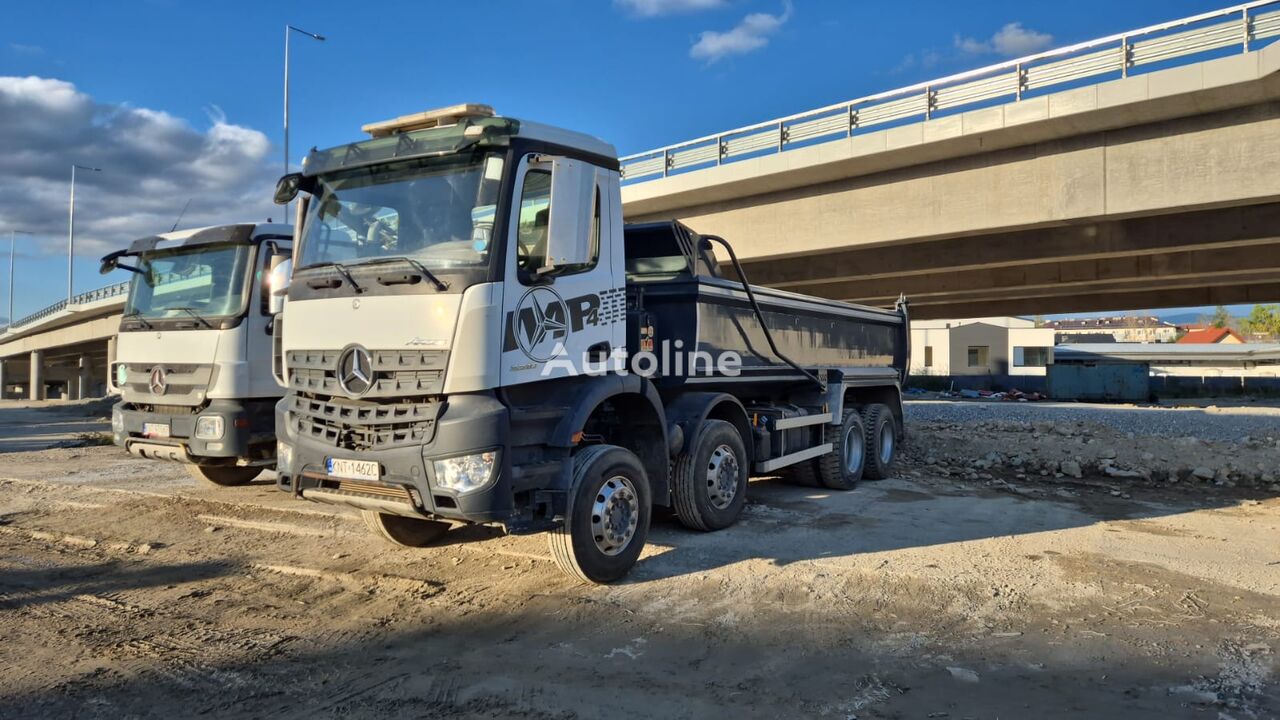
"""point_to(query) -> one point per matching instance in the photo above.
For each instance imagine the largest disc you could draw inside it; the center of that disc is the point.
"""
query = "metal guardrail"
(1115, 55)
(101, 293)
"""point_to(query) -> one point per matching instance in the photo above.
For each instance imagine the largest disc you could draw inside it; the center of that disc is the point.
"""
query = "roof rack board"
(431, 118)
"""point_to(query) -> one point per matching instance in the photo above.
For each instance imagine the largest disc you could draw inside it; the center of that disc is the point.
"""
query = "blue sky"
(639, 73)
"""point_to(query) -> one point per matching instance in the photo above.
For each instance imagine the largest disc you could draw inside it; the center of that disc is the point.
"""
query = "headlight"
(210, 427)
(467, 473)
(122, 374)
(284, 456)
(117, 421)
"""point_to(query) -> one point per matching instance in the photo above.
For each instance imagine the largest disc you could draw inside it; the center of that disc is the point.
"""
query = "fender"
(587, 397)
(687, 413)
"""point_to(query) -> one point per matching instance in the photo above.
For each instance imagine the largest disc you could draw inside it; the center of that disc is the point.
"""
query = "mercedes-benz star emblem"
(355, 371)
(158, 382)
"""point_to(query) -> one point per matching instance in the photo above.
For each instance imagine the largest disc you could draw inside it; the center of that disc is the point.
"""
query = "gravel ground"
(1207, 423)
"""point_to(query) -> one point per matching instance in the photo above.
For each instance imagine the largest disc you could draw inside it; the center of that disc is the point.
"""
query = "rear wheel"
(709, 483)
(842, 468)
(606, 521)
(223, 475)
(881, 441)
(404, 531)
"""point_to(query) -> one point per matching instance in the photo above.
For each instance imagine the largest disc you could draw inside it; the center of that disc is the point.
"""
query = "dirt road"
(128, 589)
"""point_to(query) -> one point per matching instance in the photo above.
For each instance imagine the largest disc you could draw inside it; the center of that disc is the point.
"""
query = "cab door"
(566, 321)
(258, 337)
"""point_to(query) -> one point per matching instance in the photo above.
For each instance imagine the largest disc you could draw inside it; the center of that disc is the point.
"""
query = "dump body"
(674, 287)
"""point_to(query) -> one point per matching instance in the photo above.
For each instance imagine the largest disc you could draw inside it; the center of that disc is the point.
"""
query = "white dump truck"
(193, 358)
(471, 335)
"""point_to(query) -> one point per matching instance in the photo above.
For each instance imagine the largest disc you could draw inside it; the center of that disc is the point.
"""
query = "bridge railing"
(1115, 56)
(101, 293)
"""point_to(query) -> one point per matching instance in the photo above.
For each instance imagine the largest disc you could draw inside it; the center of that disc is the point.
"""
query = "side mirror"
(278, 283)
(287, 188)
(109, 263)
(573, 185)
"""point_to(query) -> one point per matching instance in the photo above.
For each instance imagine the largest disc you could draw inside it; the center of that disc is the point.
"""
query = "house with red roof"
(1211, 336)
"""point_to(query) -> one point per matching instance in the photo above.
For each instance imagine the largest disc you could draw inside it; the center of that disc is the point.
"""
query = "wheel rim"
(852, 450)
(722, 477)
(615, 515)
(886, 443)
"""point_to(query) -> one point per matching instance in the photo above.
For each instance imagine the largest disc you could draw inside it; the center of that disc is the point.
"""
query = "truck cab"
(193, 360)
(460, 314)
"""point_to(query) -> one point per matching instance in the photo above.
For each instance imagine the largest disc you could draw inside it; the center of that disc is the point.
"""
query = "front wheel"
(709, 482)
(404, 531)
(607, 518)
(223, 475)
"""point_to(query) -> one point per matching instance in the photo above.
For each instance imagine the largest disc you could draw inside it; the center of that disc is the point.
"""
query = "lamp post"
(71, 229)
(288, 29)
(13, 241)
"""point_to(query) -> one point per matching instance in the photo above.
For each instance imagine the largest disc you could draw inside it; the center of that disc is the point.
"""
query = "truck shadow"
(95, 583)
(787, 524)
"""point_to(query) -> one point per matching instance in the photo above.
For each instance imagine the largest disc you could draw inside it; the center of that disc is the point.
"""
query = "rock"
(1071, 468)
(1202, 473)
(145, 549)
(963, 674)
(1107, 454)
(1147, 457)
(1115, 472)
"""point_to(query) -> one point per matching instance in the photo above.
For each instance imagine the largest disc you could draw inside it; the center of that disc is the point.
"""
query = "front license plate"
(353, 469)
(155, 430)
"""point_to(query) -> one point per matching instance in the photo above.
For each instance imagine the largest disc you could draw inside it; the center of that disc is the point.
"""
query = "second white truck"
(193, 359)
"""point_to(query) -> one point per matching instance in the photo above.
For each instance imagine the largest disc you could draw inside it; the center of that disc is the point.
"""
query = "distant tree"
(1221, 318)
(1039, 320)
(1263, 320)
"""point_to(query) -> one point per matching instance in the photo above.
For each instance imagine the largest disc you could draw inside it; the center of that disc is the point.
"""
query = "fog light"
(466, 473)
(210, 427)
(284, 456)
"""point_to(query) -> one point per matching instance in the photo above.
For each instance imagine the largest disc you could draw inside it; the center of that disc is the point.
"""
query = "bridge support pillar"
(2, 379)
(35, 389)
(82, 378)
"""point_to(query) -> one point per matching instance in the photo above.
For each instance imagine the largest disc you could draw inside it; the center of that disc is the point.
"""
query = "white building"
(980, 346)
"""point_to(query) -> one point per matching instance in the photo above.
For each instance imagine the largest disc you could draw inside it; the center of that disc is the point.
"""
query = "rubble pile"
(1004, 449)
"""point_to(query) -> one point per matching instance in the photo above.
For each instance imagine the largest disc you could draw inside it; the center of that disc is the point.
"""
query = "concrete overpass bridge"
(64, 350)
(1140, 170)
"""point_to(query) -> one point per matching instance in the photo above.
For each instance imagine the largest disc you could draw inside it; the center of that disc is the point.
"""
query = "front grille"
(363, 425)
(396, 373)
(399, 409)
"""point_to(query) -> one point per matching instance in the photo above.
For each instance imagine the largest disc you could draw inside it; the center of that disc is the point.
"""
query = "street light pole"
(13, 241)
(287, 30)
(71, 229)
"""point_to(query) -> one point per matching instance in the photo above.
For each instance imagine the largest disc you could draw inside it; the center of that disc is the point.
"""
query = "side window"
(531, 227)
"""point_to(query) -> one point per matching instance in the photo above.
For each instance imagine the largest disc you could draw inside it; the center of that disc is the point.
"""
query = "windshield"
(208, 281)
(438, 212)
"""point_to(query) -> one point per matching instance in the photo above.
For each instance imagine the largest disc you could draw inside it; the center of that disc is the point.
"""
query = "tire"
(842, 468)
(882, 441)
(709, 482)
(592, 545)
(802, 474)
(223, 475)
(404, 531)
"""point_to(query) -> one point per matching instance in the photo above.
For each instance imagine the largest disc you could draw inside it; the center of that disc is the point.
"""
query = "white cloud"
(655, 8)
(151, 161)
(1012, 40)
(20, 49)
(750, 34)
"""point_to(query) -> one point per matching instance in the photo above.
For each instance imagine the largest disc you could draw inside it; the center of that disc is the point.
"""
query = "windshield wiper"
(136, 315)
(440, 284)
(192, 312)
(342, 270)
